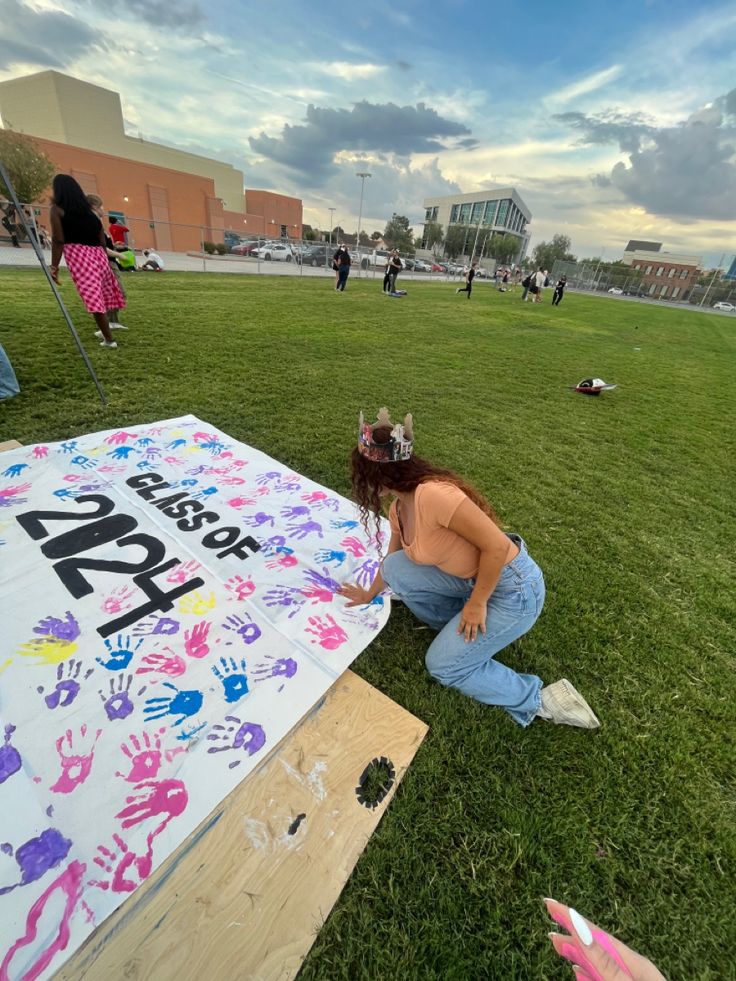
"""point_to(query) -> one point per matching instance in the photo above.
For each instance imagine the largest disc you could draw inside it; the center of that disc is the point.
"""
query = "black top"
(342, 257)
(471, 274)
(81, 228)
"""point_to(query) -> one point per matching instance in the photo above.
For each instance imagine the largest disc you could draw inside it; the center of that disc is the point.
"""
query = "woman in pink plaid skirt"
(77, 232)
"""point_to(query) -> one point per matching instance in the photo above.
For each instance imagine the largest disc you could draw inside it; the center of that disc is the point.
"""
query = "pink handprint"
(354, 546)
(75, 767)
(146, 756)
(154, 797)
(262, 491)
(119, 866)
(110, 468)
(118, 600)
(174, 461)
(233, 481)
(241, 587)
(75, 478)
(205, 438)
(329, 635)
(169, 664)
(40, 452)
(240, 502)
(183, 571)
(195, 640)
(120, 437)
(285, 559)
(314, 497)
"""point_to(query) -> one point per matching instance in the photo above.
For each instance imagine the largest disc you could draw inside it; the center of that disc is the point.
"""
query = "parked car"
(276, 251)
(315, 255)
(722, 305)
(421, 266)
(616, 290)
(245, 248)
(439, 267)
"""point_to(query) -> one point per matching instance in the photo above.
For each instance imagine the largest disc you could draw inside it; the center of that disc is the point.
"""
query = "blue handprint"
(189, 482)
(15, 470)
(145, 464)
(175, 444)
(327, 555)
(64, 493)
(233, 678)
(144, 441)
(70, 446)
(296, 512)
(183, 703)
(307, 528)
(84, 462)
(122, 452)
(344, 524)
(205, 492)
(119, 656)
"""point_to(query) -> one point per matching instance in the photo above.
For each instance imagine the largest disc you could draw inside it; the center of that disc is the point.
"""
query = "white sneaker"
(108, 344)
(98, 333)
(564, 705)
(117, 326)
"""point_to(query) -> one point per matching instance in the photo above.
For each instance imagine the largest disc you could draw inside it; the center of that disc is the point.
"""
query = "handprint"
(232, 481)
(240, 502)
(154, 797)
(48, 650)
(195, 640)
(273, 544)
(246, 629)
(320, 588)
(115, 439)
(266, 478)
(354, 546)
(156, 430)
(287, 486)
(145, 755)
(366, 572)
(75, 766)
(40, 452)
(66, 688)
(294, 512)
(285, 596)
(10, 761)
(144, 441)
(314, 497)
(328, 504)
(109, 468)
(233, 678)
(213, 445)
(151, 452)
(362, 616)
(262, 492)
(326, 555)
(204, 437)
(281, 667)
(249, 737)
(173, 461)
(347, 525)
(170, 664)
(122, 452)
(70, 446)
(9, 495)
(285, 559)
(175, 444)
(64, 493)
(306, 528)
(118, 704)
(36, 856)
(154, 625)
(241, 587)
(329, 635)
(183, 571)
(118, 600)
(120, 654)
(258, 519)
(205, 492)
(15, 470)
(126, 869)
(66, 630)
(197, 603)
(185, 704)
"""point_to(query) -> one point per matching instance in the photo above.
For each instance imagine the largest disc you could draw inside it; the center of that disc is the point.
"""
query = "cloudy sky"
(613, 121)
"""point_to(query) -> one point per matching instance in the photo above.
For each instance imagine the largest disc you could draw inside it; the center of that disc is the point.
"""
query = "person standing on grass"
(118, 231)
(394, 268)
(457, 571)
(342, 261)
(77, 234)
(537, 282)
(559, 290)
(95, 203)
(469, 277)
(526, 285)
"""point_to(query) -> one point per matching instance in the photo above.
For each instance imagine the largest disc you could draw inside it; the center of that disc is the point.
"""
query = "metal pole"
(54, 289)
(362, 175)
(332, 223)
(204, 254)
(715, 273)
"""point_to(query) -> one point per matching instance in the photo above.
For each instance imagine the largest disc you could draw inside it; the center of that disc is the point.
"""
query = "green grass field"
(625, 503)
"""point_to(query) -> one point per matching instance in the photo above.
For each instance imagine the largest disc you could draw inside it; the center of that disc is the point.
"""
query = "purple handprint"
(10, 761)
(36, 856)
(154, 625)
(294, 512)
(366, 572)
(287, 486)
(246, 629)
(184, 704)
(265, 478)
(66, 630)
(327, 555)
(118, 704)
(286, 596)
(272, 545)
(66, 688)
(320, 586)
(232, 677)
(152, 451)
(328, 504)
(258, 519)
(307, 528)
(249, 736)
(281, 667)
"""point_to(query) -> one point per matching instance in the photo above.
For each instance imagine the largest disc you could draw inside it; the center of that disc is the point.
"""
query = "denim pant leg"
(432, 595)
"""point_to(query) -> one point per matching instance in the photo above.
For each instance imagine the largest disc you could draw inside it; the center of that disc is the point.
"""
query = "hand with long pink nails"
(594, 954)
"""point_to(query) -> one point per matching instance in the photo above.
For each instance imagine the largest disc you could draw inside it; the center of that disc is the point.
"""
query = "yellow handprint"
(48, 650)
(197, 603)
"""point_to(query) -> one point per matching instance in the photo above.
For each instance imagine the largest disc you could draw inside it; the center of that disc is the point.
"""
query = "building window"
(453, 212)
(675, 291)
(652, 288)
(428, 214)
(648, 271)
(478, 209)
(464, 214)
(660, 270)
(683, 274)
(638, 268)
(671, 273)
(488, 218)
(663, 292)
(503, 210)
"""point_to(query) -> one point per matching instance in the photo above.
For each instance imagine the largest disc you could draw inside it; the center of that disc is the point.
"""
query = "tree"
(397, 234)
(503, 248)
(547, 253)
(29, 169)
(455, 241)
(375, 236)
(433, 235)
(365, 238)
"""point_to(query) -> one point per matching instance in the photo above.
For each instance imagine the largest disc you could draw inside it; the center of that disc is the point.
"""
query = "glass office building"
(500, 210)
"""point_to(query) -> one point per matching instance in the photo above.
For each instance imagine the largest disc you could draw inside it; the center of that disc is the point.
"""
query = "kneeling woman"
(451, 564)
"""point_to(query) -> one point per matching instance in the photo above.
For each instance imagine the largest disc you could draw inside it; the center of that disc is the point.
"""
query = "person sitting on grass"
(153, 261)
(77, 234)
(457, 571)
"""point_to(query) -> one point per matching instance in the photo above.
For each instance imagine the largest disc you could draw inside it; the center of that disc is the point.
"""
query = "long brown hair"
(368, 477)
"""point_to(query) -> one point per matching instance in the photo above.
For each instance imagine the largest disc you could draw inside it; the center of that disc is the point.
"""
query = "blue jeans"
(342, 276)
(437, 598)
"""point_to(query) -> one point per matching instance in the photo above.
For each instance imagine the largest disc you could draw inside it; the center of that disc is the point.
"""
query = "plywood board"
(245, 895)
(10, 444)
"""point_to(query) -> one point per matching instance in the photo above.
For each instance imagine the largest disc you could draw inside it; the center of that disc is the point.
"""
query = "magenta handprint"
(294, 512)
(328, 633)
(116, 439)
(233, 678)
(232, 482)
(9, 495)
(67, 684)
(75, 759)
(314, 497)
(262, 492)
(183, 571)
(354, 546)
(243, 588)
(285, 559)
(126, 869)
(248, 737)
(259, 519)
(65, 630)
(327, 555)
(37, 856)
(288, 596)
(120, 654)
(118, 600)
(118, 704)
(244, 627)
(154, 798)
(195, 640)
(240, 502)
(366, 572)
(40, 452)
(146, 756)
(164, 661)
(10, 761)
(320, 588)
(155, 626)
(301, 531)
(183, 704)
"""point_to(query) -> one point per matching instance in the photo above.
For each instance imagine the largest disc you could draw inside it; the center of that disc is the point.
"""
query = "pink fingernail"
(604, 941)
(573, 955)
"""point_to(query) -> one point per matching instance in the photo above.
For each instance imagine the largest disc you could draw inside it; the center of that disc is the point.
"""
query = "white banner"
(169, 612)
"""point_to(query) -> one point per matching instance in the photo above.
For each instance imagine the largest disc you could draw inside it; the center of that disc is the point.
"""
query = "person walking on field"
(95, 203)
(559, 290)
(537, 284)
(342, 262)
(77, 234)
(469, 277)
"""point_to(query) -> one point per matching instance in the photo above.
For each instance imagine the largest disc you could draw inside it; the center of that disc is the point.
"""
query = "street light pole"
(362, 175)
(332, 223)
(715, 273)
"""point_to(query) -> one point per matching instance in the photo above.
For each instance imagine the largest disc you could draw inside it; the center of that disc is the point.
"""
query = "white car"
(729, 307)
(276, 251)
(616, 290)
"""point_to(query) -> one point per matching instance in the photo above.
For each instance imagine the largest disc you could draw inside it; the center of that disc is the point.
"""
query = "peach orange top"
(435, 502)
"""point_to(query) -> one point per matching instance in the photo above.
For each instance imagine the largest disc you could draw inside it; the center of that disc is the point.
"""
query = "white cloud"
(590, 83)
(347, 70)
